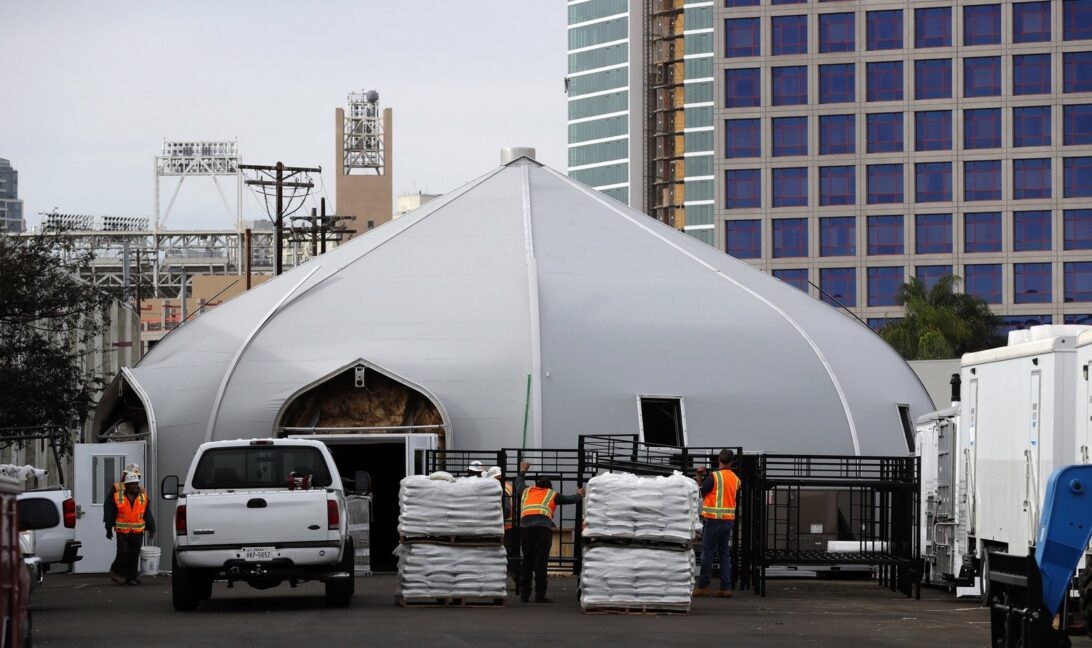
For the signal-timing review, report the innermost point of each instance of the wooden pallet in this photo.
(443, 601)
(462, 541)
(652, 609)
(632, 542)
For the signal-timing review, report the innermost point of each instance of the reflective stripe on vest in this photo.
(511, 504)
(130, 516)
(538, 501)
(720, 503)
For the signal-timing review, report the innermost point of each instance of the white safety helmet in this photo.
(132, 474)
(476, 466)
(493, 472)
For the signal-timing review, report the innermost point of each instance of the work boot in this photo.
(117, 578)
(724, 593)
(542, 598)
(701, 591)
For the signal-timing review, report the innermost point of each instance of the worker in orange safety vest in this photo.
(511, 530)
(127, 513)
(718, 511)
(536, 534)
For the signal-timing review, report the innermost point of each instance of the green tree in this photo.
(48, 318)
(940, 322)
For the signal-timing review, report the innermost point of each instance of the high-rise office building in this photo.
(845, 146)
(11, 208)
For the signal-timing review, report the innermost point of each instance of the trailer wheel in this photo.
(984, 572)
(185, 590)
(1085, 585)
(339, 592)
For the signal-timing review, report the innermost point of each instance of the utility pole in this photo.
(318, 227)
(279, 176)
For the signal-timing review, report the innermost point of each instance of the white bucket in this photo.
(149, 561)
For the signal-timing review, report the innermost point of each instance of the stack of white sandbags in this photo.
(638, 541)
(452, 530)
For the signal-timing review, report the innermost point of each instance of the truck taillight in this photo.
(68, 507)
(333, 516)
(180, 520)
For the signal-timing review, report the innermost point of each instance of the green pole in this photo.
(526, 411)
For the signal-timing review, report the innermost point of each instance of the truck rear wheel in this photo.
(185, 593)
(339, 592)
(1085, 584)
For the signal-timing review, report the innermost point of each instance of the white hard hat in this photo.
(476, 466)
(495, 471)
(132, 468)
(133, 477)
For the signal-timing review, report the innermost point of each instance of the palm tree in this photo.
(940, 323)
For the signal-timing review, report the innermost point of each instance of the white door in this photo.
(417, 446)
(96, 467)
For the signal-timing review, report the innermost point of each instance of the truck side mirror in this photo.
(362, 482)
(169, 488)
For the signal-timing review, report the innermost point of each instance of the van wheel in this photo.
(185, 590)
(339, 592)
(1085, 585)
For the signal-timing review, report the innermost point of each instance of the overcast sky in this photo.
(91, 89)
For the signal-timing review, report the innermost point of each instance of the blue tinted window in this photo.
(982, 76)
(1077, 124)
(838, 236)
(982, 24)
(1031, 74)
(884, 184)
(742, 188)
(789, 35)
(933, 234)
(885, 29)
(839, 286)
(790, 136)
(982, 232)
(1077, 19)
(1078, 318)
(1031, 283)
(740, 3)
(1077, 72)
(982, 180)
(884, 132)
(790, 237)
(786, 2)
(790, 85)
(837, 185)
(1031, 231)
(885, 81)
(836, 32)
(1030, 179)
(837, 134)
(742, 138)
(885, 235)
(1077, 225)
(790, 187)
(1030, 22)
(982, 128)
(933, 130)
(1011, 323)
(1078, 177)
(883, 285)
(836, 83)
(795, 277)
(931, 274)
(1031, 126)
(877, 323)
(983, 281)
(933, 181)
(933, 79)
(742, 88)
(933, 27)
(1078, 281)
(741, 37)
(743, 239)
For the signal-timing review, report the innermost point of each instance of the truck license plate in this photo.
(258, 553)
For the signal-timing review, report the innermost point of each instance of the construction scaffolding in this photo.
(665, 166)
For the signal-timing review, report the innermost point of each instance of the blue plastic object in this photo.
(1064, 530)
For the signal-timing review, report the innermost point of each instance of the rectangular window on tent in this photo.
(742, 88)
(1078, 281)
(789, 35)
(1030, 22)
(837, 134)
(1077, 124)
(983, 281)
(838, 236)
(884, 284)
(742, 188)
(790, 136)
(885, 235)
(1031, 283)
(837, 32)
(795, 277)
(933, 182)
(837, 83)
(933, 27)
(884, 132)
(1076, 20)
(742, 138)
(885, 184)
(790, 238)
(1031, 126)
(885, 81)
(1031, 74)
(982, 180)
(741, 37)
(790, 187)
(933, 130)
(1077, 177)
(982, 232)
(885, 29)
(931, 274)
(1030, 179)
(982, 76)
(1077, 225)
(790, 85)
(982, 24)
(933, 234)
(1031, 231)
(837, 185)
(743, 238)
(1077, 72)
(933, 79)
(982, 128)
(839, 286)
(662, 421)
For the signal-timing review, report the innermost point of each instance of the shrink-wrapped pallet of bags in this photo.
(442, 505)
(447, 571)
(625, 506)
(636, 576)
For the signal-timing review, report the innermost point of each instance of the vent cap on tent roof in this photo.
(510, 154)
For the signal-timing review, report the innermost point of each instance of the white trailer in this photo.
(944, 511)
(1083, 434)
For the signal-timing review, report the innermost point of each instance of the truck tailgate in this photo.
(256, 517)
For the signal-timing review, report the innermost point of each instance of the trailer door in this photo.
(96, 467)
(1032, 469)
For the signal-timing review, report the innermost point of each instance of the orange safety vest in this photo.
(508, 515)
(538, 501)
(720, 503)
(130, 516)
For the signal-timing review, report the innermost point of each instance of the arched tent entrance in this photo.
(376, 422)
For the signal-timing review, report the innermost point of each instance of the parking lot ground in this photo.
(91, 611)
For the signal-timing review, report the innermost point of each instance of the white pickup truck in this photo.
(261, 511)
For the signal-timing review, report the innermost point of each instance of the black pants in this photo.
(511, 547)
(535, 542)
(127, 561)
